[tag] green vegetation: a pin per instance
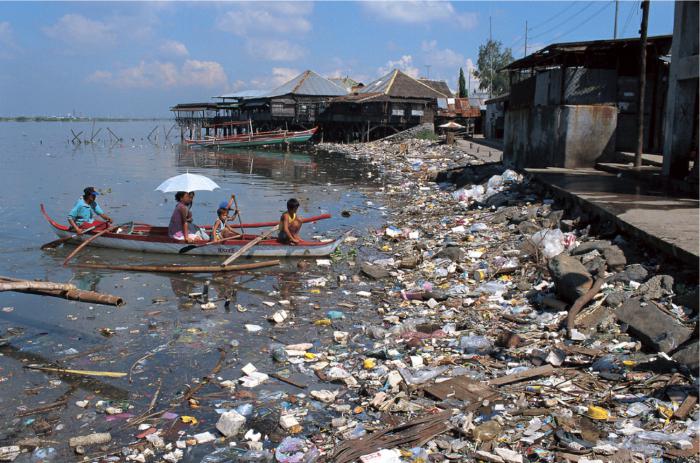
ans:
(491, 59)
(427, 135)
(462, 85)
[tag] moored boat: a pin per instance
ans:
(153, 239)
(276, 137)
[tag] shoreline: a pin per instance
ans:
(454, 287)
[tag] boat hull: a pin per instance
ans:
(276, 138)
(147, 238)
(266, 248)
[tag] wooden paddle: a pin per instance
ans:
(55, 243)
(238, 212)
(238, 253)
(90, 240)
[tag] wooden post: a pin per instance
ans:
(642, 83)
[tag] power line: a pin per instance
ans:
(563, 22)
(634, 8)
(585, 21)
(553, 17)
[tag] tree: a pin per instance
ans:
(462, 85)
(491, 59)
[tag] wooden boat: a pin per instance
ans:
(148, 238)
(276, 137)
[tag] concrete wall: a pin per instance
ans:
(559, 136)
(681, 131)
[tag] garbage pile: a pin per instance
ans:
(486, 326)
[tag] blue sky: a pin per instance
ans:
(137, 59)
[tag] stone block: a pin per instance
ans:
(657, 330)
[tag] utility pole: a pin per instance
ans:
(525, 54)
(427, 67)
(617, 6)
(642, 83)
(490, 50)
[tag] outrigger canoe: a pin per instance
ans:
(276, 137)
(148, 238)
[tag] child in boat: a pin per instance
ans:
(220, 229)
(290, 224)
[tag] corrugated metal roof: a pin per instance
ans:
(308, 83)
(243, 94)
(400, 84)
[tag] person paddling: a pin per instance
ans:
(220, 229)
(82, 216)
(290, 224)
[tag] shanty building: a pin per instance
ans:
(575, 104)
(296, 104)
(388, 105)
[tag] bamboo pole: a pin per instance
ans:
(182, 268)
(245, 248)
(71, 294)
(40, 285)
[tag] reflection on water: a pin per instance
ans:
(294, 167)
(39, 164)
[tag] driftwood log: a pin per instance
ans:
(71, 294)
(40, 285)
(581, 302)
(181, 268)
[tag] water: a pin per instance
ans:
(40, 165)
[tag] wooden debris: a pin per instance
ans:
(65, 371)
(412, 434)
(462, 388)
(581, 302)
(544, 370)
(182, 268)
(686, 407)
(215, 371)
(70, 294)
(287, 380)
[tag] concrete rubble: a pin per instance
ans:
(466, 356)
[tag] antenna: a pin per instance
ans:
(427, 67)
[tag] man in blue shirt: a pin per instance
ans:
(83, 214)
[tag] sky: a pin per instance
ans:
(137, 59)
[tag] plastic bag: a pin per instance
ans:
(421, 376)
(476, 345)
(549, 242)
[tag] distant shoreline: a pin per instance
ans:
(80, 119)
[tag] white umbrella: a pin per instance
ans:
(188, 182)
(451, 125)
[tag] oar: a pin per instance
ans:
(190, 247)
(55, 243)
(91, 239)
(238, 253)
(238, 211)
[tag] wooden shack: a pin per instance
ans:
(390, 104)
(296, 104)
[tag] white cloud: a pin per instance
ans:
(277, 77)
(405, 64)
(79, 30)
(274, 50)
(174, 48)
(7, 40)
(149, 74)
(441, 58)
(267, 18)
(420, 11)
(267, 26)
